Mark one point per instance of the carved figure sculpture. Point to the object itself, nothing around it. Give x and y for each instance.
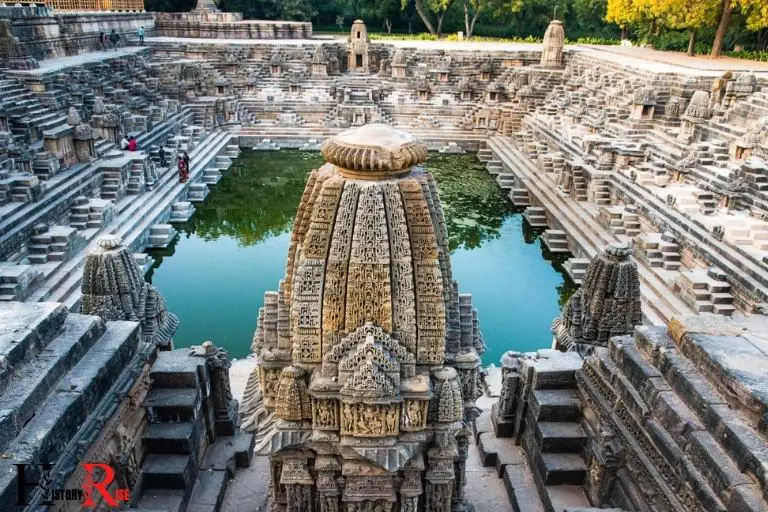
(114, 289)
(606, 305)
(368, 322)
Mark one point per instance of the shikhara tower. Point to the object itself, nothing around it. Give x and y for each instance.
(368, 356)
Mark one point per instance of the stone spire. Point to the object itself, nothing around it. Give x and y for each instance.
(367, 356)
(552, 50)
(204, 6)
(319, 64)
(606, 305)
(114, 289)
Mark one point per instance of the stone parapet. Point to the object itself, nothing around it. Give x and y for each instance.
(41, 35)
(220, 25)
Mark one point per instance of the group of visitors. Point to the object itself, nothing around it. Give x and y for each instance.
(129, 144)
(112, 41)
(183, 166)
(109, 42)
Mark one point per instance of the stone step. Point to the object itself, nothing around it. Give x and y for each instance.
(555, 436)
(498, 452)
(167, 471)
(561, 468)
(33, 381)
(566, 497)
(175, 438)
(555, 405)
(58, 418)
(172, 405)
(26, 328)
(166, 500)
(521, 490)
(208, 491)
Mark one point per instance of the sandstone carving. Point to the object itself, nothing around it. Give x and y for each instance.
(363, 334)
(114, 289)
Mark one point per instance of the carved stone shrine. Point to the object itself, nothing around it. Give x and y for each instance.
(367, 358)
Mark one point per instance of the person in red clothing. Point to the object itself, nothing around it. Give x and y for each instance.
(183, 170)
(132, 144)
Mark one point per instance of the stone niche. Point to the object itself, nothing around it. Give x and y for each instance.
(361, 399)
(358, 53)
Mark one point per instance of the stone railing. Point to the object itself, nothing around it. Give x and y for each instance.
(96, 5)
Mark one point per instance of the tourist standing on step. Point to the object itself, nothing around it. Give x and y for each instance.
(114, 38)
(161, 155)
(186, 160)
(103, 41)
(183, 170)
(141, 35)
(132, 144)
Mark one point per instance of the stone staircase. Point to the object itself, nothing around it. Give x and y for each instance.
(189, 459)
(555, 446)
(539, 449)
(197, 192)
(600, 192)
(133, 220)
(54, 243)
(161, 236)
(485, 155)
(620, 220)
(706, 291)
(90, 213)
(576, 268)
(536, 216)
(519, 197)
(555, 240)
(181, 211)
(60, 369)
(657, 250)
(18, 281)
(579, 184)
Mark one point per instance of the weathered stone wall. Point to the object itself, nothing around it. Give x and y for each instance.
(45, 36)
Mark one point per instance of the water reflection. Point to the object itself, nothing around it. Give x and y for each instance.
(235, 247)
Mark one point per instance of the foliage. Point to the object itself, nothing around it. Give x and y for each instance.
(595, 40)
(762, 56)
(755, 13)
(257, 199)
(421, 36)
(626, 12)
(474, 205)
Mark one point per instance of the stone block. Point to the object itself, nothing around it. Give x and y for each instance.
(555, 405)
(521, 490)
(208, 492)
(176, 369)
(173, 405)
(167, 471)
(245, 442)
(175, 438)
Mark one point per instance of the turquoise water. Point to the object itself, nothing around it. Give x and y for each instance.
(234, 249)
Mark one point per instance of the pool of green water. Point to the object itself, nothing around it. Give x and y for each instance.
(234, 249)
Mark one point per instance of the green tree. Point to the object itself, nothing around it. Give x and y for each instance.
(428, 8)
(472, 9)
(383, 11)
(755, 14)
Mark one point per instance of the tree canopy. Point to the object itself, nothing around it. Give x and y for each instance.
(667, 24)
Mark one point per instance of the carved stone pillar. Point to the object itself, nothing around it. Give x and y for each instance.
(224, 407)
(603, 467)
(503, 411)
